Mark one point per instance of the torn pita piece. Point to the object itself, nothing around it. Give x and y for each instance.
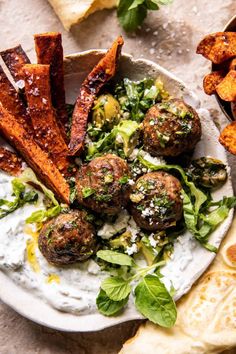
(206, 321)
(72, 12)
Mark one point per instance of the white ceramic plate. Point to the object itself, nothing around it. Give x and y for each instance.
(77, 66)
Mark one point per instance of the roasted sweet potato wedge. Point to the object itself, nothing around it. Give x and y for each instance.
(227, 87)
(43, 117)
(211, 81)
(15, 58)
(10, 162)
(102, 73)
(11, 100)
(218, 47)
(232, 65)
(35, 157)
(49, 51)
(228, 138)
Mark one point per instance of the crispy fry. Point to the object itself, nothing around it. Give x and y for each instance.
(218, 47)
(10, 100)
(227, 88)
(36, 158)
(47, 133)
(232, 65)
(49, 51)
(15, 58)
(10, 162)
(228, 138)
(211, 81)
(101, 73)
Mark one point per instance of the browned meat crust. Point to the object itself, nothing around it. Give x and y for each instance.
(102, 73)
(100, 187)
(67, 239)
(156, 201)
(171, 128)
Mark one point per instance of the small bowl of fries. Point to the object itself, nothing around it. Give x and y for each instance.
(220, 49)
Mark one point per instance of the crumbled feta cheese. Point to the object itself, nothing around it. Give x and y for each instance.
(152, 241)
(132, 249)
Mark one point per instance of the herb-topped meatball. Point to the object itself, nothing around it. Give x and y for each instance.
(156, 201)
(102, 184)
(67, 238)
(171, 128)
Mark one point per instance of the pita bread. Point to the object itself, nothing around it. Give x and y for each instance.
(206, 321)
(71, 12)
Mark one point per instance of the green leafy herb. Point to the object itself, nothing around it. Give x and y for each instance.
(124, 180)
(21, 198)
(108, 307)
(154, 302)
(87, 192)
(115, 257)
(73, 190)
(131, 13)
(116, 288)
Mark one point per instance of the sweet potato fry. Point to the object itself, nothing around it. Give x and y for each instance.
(11, 100)
(47, 133)
(35, 157)
(218, 47)
(227, 87)
(228, 138)
(49, 51)
(15, 58)
(101, 73)
(232, 65)
(10, 162)
(211, 81)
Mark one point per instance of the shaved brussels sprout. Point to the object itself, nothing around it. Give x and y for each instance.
(106, 112)
(207, 172)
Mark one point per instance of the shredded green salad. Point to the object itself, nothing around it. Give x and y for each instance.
(116, 127)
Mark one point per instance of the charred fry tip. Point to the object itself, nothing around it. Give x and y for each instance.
(46, 34)
(100, 75)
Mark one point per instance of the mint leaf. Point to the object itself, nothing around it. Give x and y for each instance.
(151, 5)
(116, 288)
(136, 3)
(154, 302)
(108, 307)
(115, 257)
(130, 19)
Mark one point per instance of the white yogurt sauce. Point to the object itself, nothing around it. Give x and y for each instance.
(72, 288)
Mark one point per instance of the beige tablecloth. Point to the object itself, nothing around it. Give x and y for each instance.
(168, 37)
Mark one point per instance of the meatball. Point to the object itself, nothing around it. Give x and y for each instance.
(171, 128)
(156, 201)
(67, 238)
(102, 184)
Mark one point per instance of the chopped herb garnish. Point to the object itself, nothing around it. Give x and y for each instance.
(87, 192)
(124, 180)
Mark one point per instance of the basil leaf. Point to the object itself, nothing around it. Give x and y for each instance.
(116, 288)
(116, 257)
(108, 307)
(130, 18)
(154, 302)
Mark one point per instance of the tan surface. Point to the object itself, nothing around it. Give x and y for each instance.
(169, 37)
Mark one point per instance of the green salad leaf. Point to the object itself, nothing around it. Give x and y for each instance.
(108, 307)
(39, 216)
(116, 288)
(115, 257)
(154, 301)
(21, 198)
